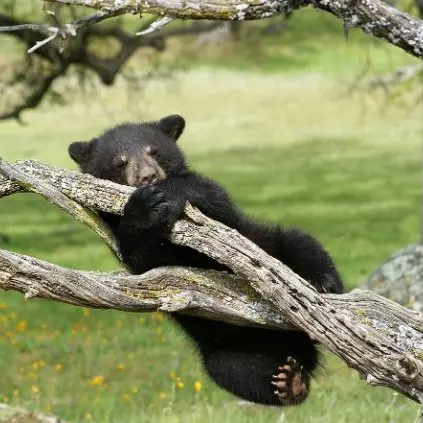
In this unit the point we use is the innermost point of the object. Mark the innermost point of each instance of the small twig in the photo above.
(96, 18)
(64, 31)
(54, 17)
(39, 44)
(33, 27)
(156, 25)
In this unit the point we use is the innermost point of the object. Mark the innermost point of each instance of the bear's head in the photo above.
(133, 154)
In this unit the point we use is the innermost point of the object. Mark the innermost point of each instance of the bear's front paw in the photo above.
(148, 205)
(291, 383)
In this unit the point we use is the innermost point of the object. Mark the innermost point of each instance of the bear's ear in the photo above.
(172, 125)
(80, 151)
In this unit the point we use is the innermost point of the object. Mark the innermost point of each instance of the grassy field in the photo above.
(295, 148)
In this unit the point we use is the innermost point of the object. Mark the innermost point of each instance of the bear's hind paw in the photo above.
(290, 382)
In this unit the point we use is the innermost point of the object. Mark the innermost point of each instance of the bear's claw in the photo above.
(290, 382)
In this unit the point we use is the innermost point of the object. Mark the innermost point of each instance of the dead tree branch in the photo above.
(382, 340)
(374, 17)
(211, 294)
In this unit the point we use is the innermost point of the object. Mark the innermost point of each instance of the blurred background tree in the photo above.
(100, 53)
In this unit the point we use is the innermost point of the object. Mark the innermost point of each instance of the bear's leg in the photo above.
(272, 371)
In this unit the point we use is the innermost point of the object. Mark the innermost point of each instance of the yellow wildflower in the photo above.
(120, 367)
(88, 416)
(97, 381)
(38, 365)
(35, 389)
(179, 383)
(162, 395)
(21, 326)
(58, 367)
(134, 389)
(126, 397)
(198, 386)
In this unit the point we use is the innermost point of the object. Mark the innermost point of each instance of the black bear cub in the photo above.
(259, 365)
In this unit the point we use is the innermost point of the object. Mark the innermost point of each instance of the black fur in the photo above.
(239, 359)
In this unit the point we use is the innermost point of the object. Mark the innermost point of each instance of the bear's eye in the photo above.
(121, 162)
(151, 151)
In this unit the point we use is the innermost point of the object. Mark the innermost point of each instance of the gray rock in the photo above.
(400, 278)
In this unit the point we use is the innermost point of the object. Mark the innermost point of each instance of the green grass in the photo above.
(297, 148)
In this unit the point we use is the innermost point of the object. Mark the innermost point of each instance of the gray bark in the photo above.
(215, 295)
(382, 340)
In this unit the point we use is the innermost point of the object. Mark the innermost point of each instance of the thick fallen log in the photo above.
(382, 340)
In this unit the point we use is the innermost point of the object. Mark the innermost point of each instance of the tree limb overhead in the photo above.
(374, 17)
(382, 340)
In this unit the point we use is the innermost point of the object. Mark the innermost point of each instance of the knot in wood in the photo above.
(407, 367)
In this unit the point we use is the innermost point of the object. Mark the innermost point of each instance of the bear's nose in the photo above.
(148, 176)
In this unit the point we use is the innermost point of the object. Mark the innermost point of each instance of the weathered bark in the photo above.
(375, 17)
(382, 340)
(83, 188)
(211, 294)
